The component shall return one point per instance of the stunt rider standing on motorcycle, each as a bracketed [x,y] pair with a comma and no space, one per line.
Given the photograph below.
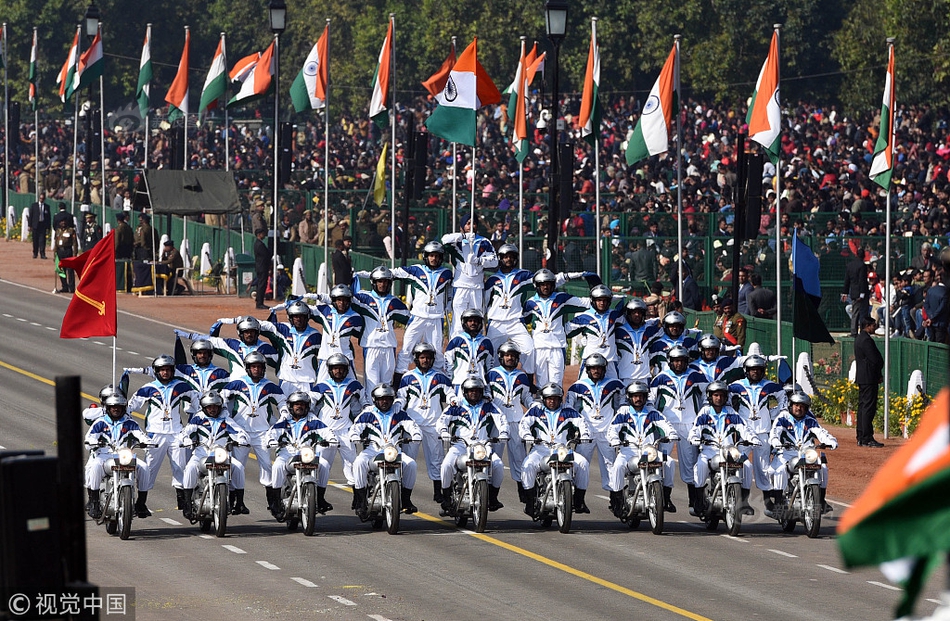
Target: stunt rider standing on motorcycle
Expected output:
[638,419]
[377,426]
[718,418]
[303,428]
[797,426]
[510,391]
[113,427]
[469,353]
[234,350]
[473,418]
[212,427]
[338,400]
[549,422]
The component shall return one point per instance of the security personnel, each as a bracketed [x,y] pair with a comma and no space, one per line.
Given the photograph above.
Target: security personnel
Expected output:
[597,328]
[634,338]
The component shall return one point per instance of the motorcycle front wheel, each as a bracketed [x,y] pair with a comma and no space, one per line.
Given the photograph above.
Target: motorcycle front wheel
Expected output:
[480,505]
[811,511]
[731,510]
[219,510]
[655,506]
[308,509]
[564,508]
[393,507]
[124,513]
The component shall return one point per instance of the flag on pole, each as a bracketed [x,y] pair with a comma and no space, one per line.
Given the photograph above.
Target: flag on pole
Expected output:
[257,79]
[32,87]
[902,520]
[66,74]
[309,90]
[378,110]
[243,67]
[882,166]
[177,97]
[808,323]
[90,63]
[3,48]
[590,102]
[437,80]
[516,87]
[92,311]
[765,112]
[145,73]
[520,138]
[379,186]
[535,63]
[216,84]
[651,136]
[468,88]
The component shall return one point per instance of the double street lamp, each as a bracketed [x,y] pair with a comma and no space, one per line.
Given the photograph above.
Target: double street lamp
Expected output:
[555,14]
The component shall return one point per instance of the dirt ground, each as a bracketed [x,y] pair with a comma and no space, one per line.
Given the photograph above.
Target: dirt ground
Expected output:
[851,467]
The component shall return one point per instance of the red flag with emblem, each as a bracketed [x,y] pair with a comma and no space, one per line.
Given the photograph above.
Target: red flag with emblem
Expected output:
[92,311]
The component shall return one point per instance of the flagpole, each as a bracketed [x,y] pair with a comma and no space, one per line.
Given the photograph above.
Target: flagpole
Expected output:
[184,163]
[326,166]
[36,124]
[276,158]
[148,42]
[102,143]
[227,134]
[471,216]
[392,154]
[778,210]
[679,173]
[6,129]
[72,202]
[887,255]
[521,93]
[455,173]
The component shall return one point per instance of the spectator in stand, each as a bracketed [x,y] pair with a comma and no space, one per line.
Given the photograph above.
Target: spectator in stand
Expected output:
[925,260]
[745,288]
[341,262]
[936,310]
[762,301]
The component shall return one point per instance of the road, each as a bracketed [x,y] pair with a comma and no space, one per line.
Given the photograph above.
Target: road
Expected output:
[431,570]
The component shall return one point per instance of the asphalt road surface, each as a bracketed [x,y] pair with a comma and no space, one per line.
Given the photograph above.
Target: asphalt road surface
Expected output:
[431,569]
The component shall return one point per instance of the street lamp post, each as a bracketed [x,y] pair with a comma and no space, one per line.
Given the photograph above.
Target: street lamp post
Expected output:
[278,22]
[91,27]
[555,13]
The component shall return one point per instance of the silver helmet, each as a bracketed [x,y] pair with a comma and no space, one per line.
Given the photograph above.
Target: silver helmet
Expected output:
[800,397]
[433,247]
[600,291]
[637,387]
[717,386]
[544,275]
[710,341]
[107,391]
[473,383]
[381,273]
[552,390]
[249,323]
[341,291]
[163,361]
[116,398]
[298,307]
[298,396]
[508,347]
[595,360]
[755,361]
[507,249]
[254,357]
[382,391]
[677,351]
[673,318]
[635,304]
[201,345]
[423,348]
[337,360]
[212,397]
[473,313]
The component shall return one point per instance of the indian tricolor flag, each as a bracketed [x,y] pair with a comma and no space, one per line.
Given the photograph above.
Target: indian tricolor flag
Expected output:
[882,166]
[145,73]
[765,112]
[467,89]
[437,80]
[651,136]
[90,63]
[32,87]
[257,78]
[378,110]
[309,90]
[177,97]
[590,102]
[517,108]
[68,72]
[216,84]
[902,520]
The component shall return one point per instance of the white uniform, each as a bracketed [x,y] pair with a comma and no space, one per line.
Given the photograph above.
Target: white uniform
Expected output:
[165,407]
[598,402]
[297,350]
[511,395]
[505,297]
[679,397]
[471,254]
[204,433]
[560,425]
[255,406]
[786,429]
[338,404]
[424,397]
[468,356]
[757,404]
[375,429]
[308,430]
[479,421]
[117,433]
[710,423]
[637,427]
[430,290]
[234,350]
[378,341]
[547,315]
[633,350]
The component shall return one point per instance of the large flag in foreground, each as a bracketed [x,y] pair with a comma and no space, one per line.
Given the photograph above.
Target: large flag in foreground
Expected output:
[177,96]
[651,136]
[309,90]
[258,80]
[467,89]
[378,110]
[590,100]
[92,311]
[902,520]
[807,322]
[145,73]
[216,83]
[765,113]
[882,166]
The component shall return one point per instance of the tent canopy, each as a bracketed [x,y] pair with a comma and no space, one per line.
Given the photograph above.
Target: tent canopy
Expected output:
[192,192]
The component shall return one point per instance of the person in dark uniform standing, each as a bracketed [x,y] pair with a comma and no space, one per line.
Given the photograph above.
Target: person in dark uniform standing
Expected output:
[856,288]
[66,246]
[262,263]
[869,364]
[124,244]
[342,265]
[91,232]
[39,222]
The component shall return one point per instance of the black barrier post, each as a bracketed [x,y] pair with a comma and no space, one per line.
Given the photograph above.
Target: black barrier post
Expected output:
[69,449]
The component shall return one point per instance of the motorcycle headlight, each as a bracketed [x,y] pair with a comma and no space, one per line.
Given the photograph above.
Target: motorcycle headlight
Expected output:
[126,456]
[650,453]
[390,453]
[812,456]
[307,454]
[479,452]
[220,455]
[734,453]
[562,452]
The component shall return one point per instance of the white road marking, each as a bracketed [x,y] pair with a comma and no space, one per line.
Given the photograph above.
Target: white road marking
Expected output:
[934,601]
[50,328]
[8,315]
[884,586]
[170,521]
[2,447]
[601,496]
[780,553]
[234,549]
[304,582]
[834,569]
[98,342]
[342,600]
[21,319]
[33,323]
[206,536]
[267,565]
[134,353]
[382,618]
[735,538]
[835,502]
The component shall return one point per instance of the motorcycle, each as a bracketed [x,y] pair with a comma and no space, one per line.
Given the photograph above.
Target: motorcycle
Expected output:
[470,487]
[299,495]
[384,487]
[643,494]
[119,488]
[555,486]
[801,499]
[210,498]
[723,498]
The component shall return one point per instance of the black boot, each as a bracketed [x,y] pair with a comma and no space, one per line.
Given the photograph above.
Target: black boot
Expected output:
[359,501]
[531,387]
[93,507]
[407,506]
[530,495]
[825,507]
[322,505]
[183,500]
[353,504]
[187,510]
[699,502]
[275,502]
[141,511]
[691,494]
[579,505]
[437,491]
[493,503]
[745,508]
[616,503]
[668,505]
[231,496]
[520,492]
[397,379]
[771,498]
[448,506]
[239,508]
